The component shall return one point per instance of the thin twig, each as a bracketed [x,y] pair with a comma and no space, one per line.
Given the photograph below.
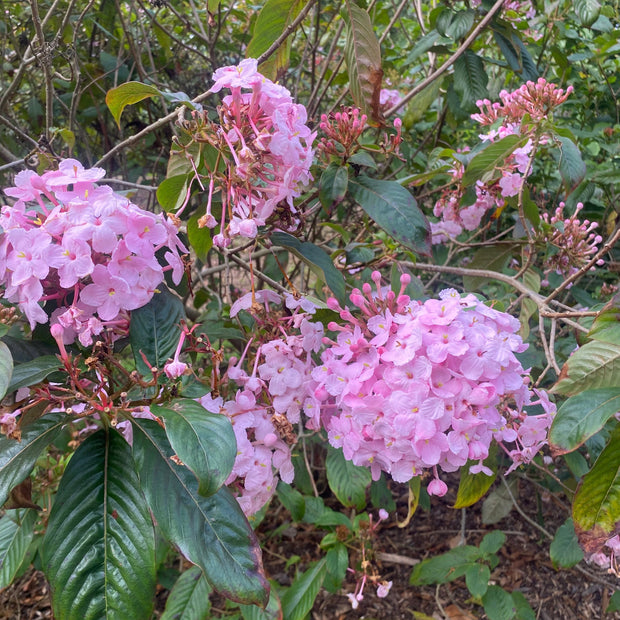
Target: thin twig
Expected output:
[446,65]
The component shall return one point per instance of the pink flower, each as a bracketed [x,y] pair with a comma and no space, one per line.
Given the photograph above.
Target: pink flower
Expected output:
[511,184]
[383,589]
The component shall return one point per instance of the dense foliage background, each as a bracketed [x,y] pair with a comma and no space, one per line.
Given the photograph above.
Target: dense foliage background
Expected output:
[125,86]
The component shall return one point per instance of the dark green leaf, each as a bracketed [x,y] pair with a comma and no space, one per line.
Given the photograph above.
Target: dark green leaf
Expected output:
[204,441]
[6,368]
[347,481]
[363,57]
[572,167]
[316,258]
[393,208]
[189,598]
[498,604]
[31,373]
[16,532]
[470,79]
[299,599]
[488,257]
[455,25]
[17,458]
[491,157]
[99,547]
[333,185]
[155,329]
[292,500]
[582,416]
[381,496]
[126,94]
[211,532]
[565,550]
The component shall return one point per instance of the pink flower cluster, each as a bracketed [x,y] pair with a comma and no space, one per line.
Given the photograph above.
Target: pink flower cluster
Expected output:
[517,114]
[573,242]
[267,149]
[414,386]
[82,247]
[268,403]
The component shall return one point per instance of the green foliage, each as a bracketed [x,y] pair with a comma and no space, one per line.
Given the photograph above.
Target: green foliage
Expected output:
[565,550]
[126,94]
[155,329]
[316,259]
[100,527]
[211,532]
[189,598]
[347,481]
[393,208]
[16,533]
[204,441]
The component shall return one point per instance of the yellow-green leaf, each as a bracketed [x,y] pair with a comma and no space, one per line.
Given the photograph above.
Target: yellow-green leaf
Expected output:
[127,94]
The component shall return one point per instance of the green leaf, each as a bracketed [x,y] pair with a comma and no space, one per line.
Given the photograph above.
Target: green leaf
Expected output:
[154,329]
[17,458]
[523,608]
[455,25]
[189,598]
[594,365]
[333,185]
[126,94]
[211,532]
[596,505]
[492,157]
[16,533]
[498,504]
[477,579]
[498,604]
[172,192]
[362,54]
[380,494]
[514,50]
[99,548]
[199,238]
[473,487]
[572,167]
[273,611]
[470,79]
[347,481]
[31,373]
[204,441]
[587,11]
[446,567]
[565,550]
[614,602]
[490,258]
[493,542]
[299,599]
[316,258]
[582,416]
[393,208]
[6,368]
[337,559]
[273,19]
[292,500]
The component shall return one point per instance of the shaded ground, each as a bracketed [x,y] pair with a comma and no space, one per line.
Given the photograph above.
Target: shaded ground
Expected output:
[581,593]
